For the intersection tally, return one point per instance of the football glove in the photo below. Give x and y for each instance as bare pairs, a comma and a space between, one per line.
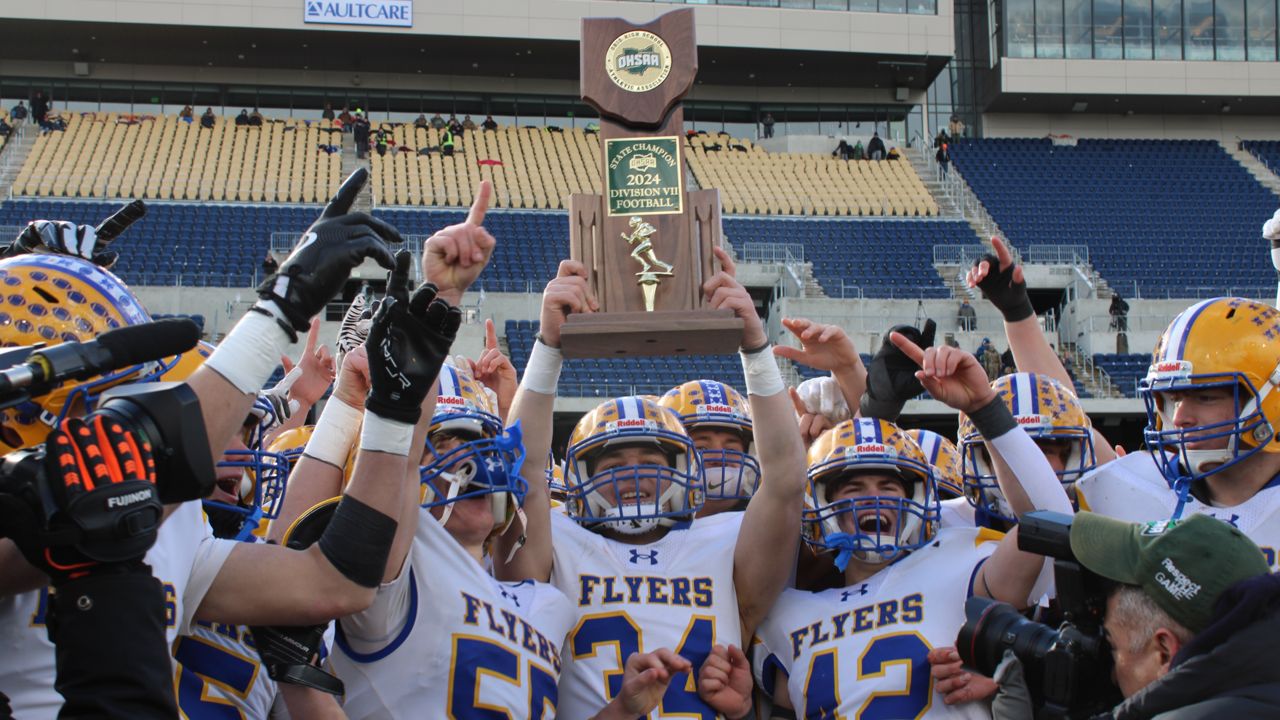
1009, 297
61, 237
891, 379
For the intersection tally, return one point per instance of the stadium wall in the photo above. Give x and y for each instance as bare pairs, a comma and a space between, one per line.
1215, 126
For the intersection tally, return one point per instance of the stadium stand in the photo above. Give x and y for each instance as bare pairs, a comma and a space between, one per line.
530, 167
179, 243
113, 155
1154, 213
1267, 151
755, 182
1125, 370
612, 377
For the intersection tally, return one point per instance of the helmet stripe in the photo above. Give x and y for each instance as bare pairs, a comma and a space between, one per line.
449, 382
1182, 328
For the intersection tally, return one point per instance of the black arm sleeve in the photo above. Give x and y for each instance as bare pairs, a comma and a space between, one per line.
112, 653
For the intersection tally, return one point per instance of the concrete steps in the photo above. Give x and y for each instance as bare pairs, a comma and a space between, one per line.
14, 154
350, 163
1255, 167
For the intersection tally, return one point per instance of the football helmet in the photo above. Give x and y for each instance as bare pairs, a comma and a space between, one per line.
730, 474
487, 460
52, 299
1046, 410
678, 489
555, 478
1229, 343
870, 444
944, 458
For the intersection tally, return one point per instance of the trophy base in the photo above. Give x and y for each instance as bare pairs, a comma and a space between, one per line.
644, 334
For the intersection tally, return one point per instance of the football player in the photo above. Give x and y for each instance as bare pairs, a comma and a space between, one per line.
862, 648
718, 420
944, 458
1212, 409
640, 573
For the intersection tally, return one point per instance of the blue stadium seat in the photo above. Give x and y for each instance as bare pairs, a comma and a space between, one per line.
1125, 370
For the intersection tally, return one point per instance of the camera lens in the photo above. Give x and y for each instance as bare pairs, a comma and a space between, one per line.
992, 627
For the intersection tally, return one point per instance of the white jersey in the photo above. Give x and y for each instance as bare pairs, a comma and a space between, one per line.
445, 639
218, 666
957, 513
676, 593
860, 650
1133, 489
185, 559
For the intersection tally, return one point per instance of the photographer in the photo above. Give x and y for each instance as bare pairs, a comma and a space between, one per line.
1191, 621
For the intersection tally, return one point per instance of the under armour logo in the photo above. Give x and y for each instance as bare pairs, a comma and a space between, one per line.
1231, 521
493, 464
512, 597
637, 556
862, 590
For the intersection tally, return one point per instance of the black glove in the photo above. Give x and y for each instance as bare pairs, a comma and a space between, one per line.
1009, 297
63, 238
409, 340
891, 379
289, 653
93, 507
323, 259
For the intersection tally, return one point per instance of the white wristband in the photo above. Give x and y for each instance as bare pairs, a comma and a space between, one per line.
1033, 471
335, 433
250, 352
762, 373
542, 372
382, 435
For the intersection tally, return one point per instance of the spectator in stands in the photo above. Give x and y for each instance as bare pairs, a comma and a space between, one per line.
243, 118
255, 118
5, 128
207, 119
767, 123
1119, 313
437, 122
446, 143
942, 139
468, 124
380, 142
421, 121
1007, 364
360, 133
990, 358
52, 121
187, 115
269, 265
346, 120
489, 123
19, 111
327, 114
875, 148
966, 317
455, 126
956, 127
842, 151
859, 152
39, 107
943, 157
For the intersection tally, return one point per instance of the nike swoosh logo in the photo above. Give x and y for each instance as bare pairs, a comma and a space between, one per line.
305, 241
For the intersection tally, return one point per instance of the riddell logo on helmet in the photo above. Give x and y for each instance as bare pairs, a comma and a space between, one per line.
716, 409
1166, 368
454, 400
870, 448
631, 424
1031, 419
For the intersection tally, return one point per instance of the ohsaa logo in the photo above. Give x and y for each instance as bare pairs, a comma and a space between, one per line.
723, 409
1170, 368
1032, 420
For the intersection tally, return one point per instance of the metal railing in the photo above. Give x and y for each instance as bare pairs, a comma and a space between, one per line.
1260, 293
1057, 255
757, 252
965, 255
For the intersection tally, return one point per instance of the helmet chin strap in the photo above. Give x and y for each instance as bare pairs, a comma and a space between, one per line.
246, 485
627, 525
457, 481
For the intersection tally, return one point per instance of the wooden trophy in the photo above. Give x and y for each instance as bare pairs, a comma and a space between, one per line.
646, 242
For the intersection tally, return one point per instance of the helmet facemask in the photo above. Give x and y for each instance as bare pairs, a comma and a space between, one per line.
263, 478
884, 527
982, 489
614, 498
486, 463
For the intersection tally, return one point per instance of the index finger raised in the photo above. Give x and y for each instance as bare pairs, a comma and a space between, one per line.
1002, 252
490, 335
480, 206
346, 195
907, 347
726, 262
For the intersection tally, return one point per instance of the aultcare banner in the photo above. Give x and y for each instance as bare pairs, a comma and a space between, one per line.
395, 13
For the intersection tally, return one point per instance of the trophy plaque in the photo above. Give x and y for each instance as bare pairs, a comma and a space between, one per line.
646, 241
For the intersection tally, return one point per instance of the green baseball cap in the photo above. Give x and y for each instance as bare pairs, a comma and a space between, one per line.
1182, 565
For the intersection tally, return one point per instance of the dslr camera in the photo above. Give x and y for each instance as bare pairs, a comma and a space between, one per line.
1067, 665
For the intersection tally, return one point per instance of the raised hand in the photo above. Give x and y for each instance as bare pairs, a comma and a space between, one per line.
409, 340
495, 371
724, 681
1002, 283
325, 256
951, 375
565, 295
953, 682
352, 384
812, 424
316, 367
891, 380
454, 257
822, 347
644, 681
723, 292
65, 238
